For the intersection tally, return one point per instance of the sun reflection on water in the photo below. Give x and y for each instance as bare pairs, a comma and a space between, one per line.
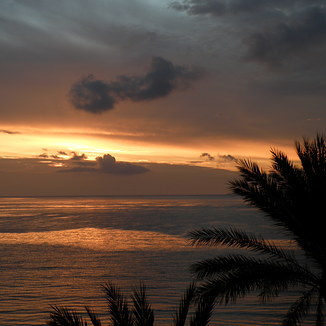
99, 239
109, 239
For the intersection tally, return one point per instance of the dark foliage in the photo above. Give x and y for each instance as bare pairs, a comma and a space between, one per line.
141, 313
294, 198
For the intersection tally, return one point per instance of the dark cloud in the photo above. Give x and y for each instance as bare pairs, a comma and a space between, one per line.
9, 132
108, 164
207, 156
289, 38
91, 95
272, 30
104, 164
74, 160
219, 158
79, 163
58, 156
163, 77
78, 157
227, 158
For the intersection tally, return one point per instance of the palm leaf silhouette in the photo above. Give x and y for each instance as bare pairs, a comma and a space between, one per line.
143, 313
93, 317
62, 316
180, 316
118, 306
293, 197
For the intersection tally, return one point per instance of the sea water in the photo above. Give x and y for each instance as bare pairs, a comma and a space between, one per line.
60, 251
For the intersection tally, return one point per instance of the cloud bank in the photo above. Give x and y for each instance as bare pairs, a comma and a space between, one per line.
108, 164
163, 77
287, 38
103, 164
272, 30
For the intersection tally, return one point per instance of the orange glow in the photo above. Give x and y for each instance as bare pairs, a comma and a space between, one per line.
100, 239
27, 142
111, 240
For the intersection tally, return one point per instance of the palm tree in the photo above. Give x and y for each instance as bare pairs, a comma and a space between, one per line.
141, 314
294, 198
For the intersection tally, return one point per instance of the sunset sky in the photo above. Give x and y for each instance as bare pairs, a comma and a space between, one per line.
110, 97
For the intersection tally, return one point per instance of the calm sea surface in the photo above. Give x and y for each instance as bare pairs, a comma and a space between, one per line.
59, 251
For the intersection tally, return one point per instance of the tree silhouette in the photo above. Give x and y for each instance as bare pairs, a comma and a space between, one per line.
294, 198
141, 313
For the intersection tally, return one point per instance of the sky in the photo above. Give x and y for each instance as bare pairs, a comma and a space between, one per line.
130, 97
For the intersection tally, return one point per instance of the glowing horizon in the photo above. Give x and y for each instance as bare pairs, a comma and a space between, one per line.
33, 142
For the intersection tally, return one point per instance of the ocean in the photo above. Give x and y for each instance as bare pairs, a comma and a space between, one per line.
60, 251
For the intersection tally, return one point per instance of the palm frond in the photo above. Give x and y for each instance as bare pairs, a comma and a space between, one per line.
312, 155
289, 177
118, 306
143, 313
264, 191
253, 175
214, 266
299, 309
250, 170
93, 317
273, 195
294, 199
267, 276
62, 316
179, 319
203, 312
235, 238
289, 208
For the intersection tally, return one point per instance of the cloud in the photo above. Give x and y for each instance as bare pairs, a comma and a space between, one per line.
207, 156
108, 164
74, 158
194, 7
163, 77
9, 132
272, 31
270, 47
219, 158
227, 158
77, 157
103, 164
221, 7
91, 95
